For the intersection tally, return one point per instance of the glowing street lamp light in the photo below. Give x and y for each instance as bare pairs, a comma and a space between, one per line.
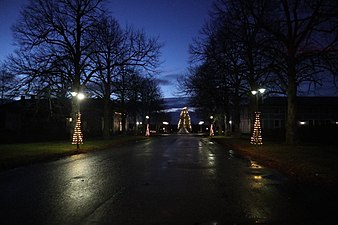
261, 90
258, 91
79, 96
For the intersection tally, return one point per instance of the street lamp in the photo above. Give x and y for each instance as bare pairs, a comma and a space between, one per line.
138, 123
211, 126
201, 124
77, 134
256, 138
257, 93
79, 96
147, 130
165, 126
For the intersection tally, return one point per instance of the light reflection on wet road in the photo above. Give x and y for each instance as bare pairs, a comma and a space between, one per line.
164, 180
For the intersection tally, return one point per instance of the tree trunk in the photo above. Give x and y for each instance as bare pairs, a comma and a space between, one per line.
135, 125
291, 126
124, 122
227, 130
236, 117
107, 120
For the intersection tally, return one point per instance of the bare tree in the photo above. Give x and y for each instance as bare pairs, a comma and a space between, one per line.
54, 38
7, 81
106, 61
232, 47
279, 43
304, 34
118, 53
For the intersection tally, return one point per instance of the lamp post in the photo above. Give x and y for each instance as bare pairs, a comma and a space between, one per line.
147, 129
138, 123
256, 138
257, 93
211, 126
201, 126
165, 126
77, 133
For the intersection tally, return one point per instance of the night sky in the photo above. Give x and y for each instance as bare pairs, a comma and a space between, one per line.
176, 22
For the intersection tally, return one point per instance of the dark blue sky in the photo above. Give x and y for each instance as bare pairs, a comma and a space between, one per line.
176, 22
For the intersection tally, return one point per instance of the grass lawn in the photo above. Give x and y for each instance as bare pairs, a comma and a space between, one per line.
12, 155
309, 163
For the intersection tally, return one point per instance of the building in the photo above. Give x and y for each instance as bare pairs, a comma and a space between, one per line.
316, 117
32, 119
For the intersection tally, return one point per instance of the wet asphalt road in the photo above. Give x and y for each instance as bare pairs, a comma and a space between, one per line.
175, 179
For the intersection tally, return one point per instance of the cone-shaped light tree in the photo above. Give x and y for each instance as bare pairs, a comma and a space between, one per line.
256, 138
184, 123
77, 135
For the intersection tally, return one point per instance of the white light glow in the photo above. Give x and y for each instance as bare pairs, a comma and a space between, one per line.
261, 90
80, 96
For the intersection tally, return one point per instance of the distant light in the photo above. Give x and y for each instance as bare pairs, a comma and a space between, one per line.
137, 123
80, 96
201, 123
211, 117
261, 90
230, 122
165, 123
147, 117
254, 92
257, 177
302, 122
